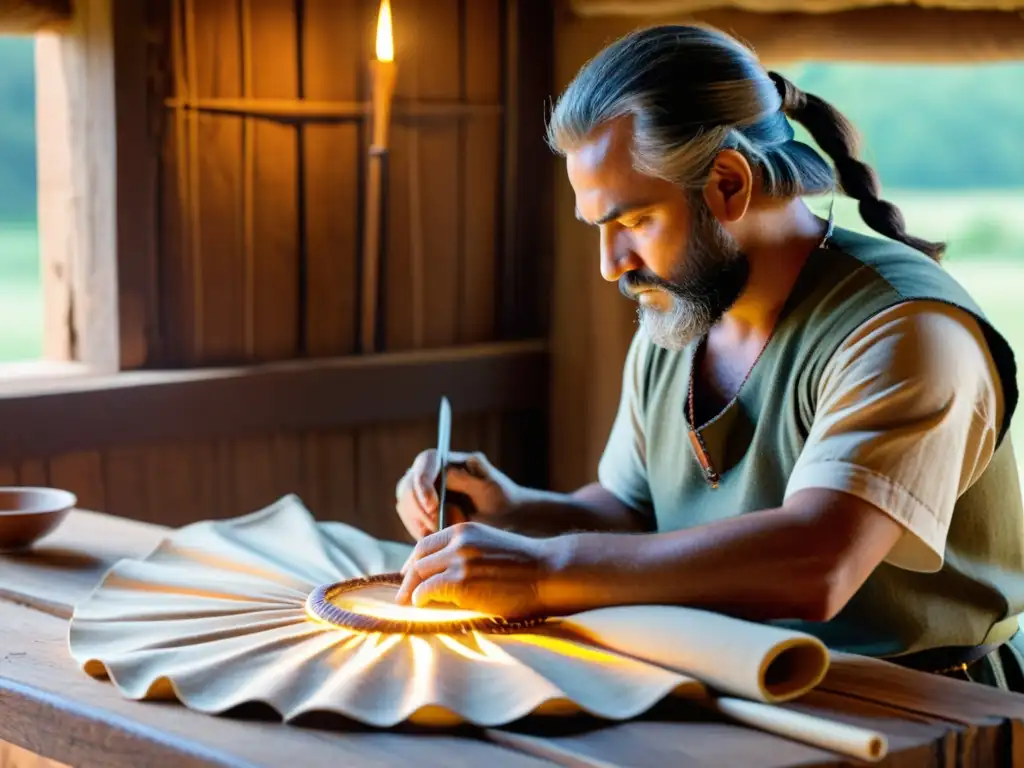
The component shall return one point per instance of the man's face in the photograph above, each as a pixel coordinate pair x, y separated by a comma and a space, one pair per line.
662, 244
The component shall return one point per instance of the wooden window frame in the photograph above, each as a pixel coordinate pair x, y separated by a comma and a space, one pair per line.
97, 387
75, 133
77, 161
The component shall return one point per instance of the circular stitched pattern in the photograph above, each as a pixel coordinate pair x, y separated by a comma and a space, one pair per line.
320, 605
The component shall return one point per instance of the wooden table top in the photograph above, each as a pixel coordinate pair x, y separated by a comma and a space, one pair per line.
49, 706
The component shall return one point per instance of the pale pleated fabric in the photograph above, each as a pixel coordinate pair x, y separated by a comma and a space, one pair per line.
215, 617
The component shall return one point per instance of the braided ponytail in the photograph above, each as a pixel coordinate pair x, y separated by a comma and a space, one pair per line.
838, 139
691, 91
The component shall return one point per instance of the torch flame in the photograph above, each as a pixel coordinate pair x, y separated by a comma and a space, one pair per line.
385, 41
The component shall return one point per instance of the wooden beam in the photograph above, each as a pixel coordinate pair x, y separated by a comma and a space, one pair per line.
904, 35
77, 156
99, 412
310, 111
663, 8
28, 17
528, 165
140, 50
893, 34
526, 228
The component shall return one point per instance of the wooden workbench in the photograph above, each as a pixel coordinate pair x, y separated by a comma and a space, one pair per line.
51, 708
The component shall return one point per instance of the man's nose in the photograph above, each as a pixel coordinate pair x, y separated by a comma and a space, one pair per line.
617, 254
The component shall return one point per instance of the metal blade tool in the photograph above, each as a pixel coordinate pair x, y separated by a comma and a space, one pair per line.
444, 439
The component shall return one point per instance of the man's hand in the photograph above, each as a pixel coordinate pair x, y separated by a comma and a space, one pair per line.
819, 549
470, 474
479, 568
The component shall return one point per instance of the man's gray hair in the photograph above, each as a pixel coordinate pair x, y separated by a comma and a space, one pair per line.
692, 91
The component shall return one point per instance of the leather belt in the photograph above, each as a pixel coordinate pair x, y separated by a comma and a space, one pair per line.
946, 659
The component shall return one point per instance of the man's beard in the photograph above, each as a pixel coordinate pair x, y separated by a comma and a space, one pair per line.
708, 281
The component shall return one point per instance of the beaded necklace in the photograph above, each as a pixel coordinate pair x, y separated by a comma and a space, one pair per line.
700, 449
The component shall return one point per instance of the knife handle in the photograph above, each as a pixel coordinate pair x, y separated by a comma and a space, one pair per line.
461, 502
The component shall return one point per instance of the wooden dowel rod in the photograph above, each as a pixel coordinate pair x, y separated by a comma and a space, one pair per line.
298, 110
417, 263
373, 238
248, 184
196, 262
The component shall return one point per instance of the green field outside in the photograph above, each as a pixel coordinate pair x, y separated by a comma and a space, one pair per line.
985, 231
985, 235
21, 295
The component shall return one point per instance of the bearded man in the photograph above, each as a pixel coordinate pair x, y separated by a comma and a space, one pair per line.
813, 422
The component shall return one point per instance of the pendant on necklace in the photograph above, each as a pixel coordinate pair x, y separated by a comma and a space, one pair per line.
700, 451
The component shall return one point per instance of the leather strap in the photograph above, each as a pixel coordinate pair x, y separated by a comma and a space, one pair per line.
945, 659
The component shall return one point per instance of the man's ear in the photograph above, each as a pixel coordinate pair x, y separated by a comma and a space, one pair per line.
730, 186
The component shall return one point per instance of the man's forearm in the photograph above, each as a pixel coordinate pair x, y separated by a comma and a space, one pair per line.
591, 509
766, 565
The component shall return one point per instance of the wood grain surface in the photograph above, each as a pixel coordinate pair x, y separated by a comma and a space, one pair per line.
51, 707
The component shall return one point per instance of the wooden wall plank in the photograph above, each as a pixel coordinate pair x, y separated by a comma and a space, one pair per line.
82, 474
33, 472
480, 141
333, 56
170, 472
438, 62
125, 479
189, 481
383, 456
426, 245
141, 53
175, 258
8, 475
288, 452
215, 491
527, 225
252, 475
403, 270
337, 474
265, 469
425, 282
258, 249
270, 184
338, 452
219, 285
266, 264
404, 284
329, 480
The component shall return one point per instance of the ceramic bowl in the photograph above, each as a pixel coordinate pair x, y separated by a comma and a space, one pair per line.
27, 514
